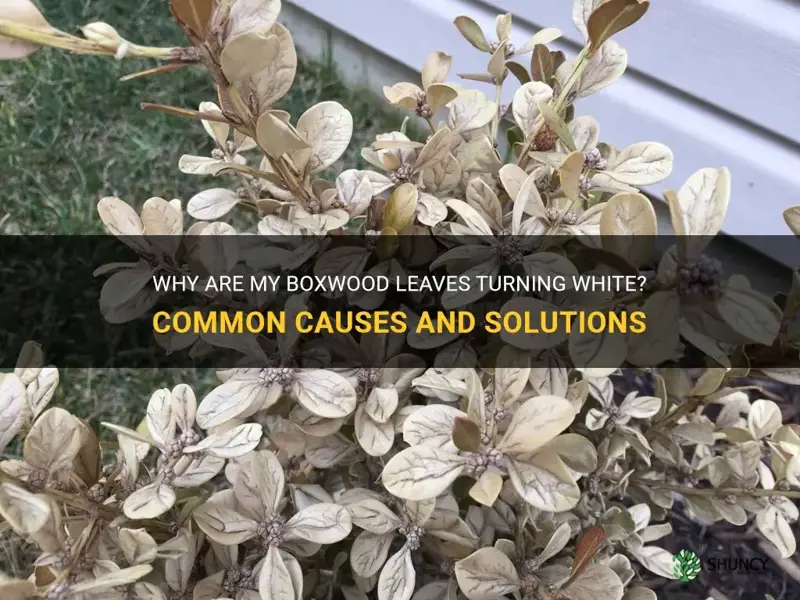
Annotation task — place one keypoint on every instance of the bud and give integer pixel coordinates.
(102, 33)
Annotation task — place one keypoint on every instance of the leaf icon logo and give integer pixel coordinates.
(686, 566)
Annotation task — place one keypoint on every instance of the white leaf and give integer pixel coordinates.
(137, 545)
(374, 437)
(275, 582)
(640, 407)
(525, 109)
(230, 444)
(398, 577)
(321, 523)
(607, 65)
(260, 484)
(373, 515)
(432, 426)
(253, 16)
(324, 393)
(640, 164)
(231, 399)
(702, 203)
(750, 314)
(656, 560)
(777, 530)
(421, 472)
(149, 502)
(160, 421)
(470, 110)
(219, 132)
(764, 418)
(212, 204)
(544, 482)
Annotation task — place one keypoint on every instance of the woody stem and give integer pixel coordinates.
(719, 491)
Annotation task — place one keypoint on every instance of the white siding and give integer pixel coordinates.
(718, 81)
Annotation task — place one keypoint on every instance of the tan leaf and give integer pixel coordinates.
(53, 441)
(401, 207)
(247, 54)
(137, 545)
(224, 525)
(486, 490)
(486, 574)
(535, 423)
(472, 32)
(277, 137)
(569, 174)
(435, 69)
(272, 83)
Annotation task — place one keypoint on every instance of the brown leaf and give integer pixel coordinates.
(612, 17)
(466, 435)
(587, 547)
(542, 64)
(193, 15)
(518, 71)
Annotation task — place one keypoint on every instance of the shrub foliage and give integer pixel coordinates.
(393, 480)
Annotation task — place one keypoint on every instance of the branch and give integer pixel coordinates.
(55, 38)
